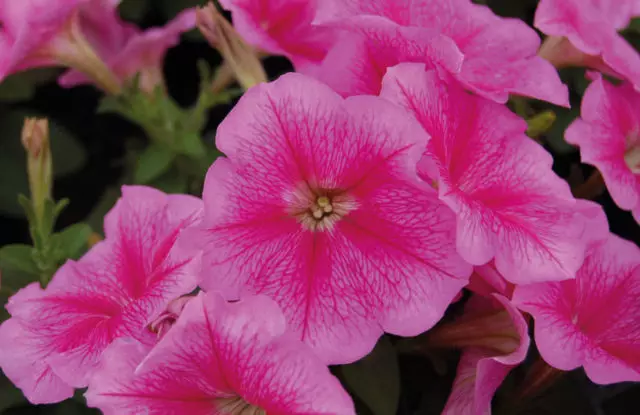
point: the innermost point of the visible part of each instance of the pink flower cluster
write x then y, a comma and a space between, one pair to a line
357, 197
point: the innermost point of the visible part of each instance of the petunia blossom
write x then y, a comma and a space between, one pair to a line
36, 33
23, 362
117, 289
585, 33
494, 339
126, 49
496, 56
594, 320
282, 27
219, 358
608, 134
510, 205
319, 206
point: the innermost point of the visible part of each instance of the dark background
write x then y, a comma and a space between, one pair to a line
101, 144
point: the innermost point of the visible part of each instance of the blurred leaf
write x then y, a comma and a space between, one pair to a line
22, 86
104, 205
555, 136
540, 123
172, 182
634, 26
73, 240
9, 395
133, 10
376, 378
192, 145
18, 257
154, 161
68, 156
170, 8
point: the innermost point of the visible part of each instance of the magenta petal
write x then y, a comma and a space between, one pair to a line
496, 179
216, 353
385, 260
118, 287
594, 320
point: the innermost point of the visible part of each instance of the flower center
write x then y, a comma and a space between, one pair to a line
319, 209
237, 406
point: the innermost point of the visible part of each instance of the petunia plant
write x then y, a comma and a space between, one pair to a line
363, 207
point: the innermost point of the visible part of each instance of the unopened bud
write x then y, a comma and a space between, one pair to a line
241, 58
35, 139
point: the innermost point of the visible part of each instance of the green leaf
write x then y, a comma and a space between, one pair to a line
376, 378
192, 145
172, 182
104, 205
154, 161
73, 240
555, 135
22, 86
18, 257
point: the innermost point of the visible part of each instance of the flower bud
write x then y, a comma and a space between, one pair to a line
35, 139
241, 58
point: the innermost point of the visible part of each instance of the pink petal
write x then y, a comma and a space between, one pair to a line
125, 48
593, 321
282, 27
218, 351
510, 205
481, 370
389, 263
500, 55
608, 128
24, 364
118, 287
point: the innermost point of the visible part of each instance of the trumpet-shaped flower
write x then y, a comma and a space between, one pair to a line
127, 50
282, 27
117, 289
594, 320
608, 134
509, 203
319, 206
496, 56
35, 33
495, 339
219, 358
585, 33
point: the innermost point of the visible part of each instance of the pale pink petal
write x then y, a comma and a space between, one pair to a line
282, 27
118, 287
24, 364
510, 205
387, 262
607, 131
500, 54
218, 352
126, 49
486, 281
594, 320
592, 28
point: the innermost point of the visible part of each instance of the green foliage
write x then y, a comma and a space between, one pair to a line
375, 379
22, 86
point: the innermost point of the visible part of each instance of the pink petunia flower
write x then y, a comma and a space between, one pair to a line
319, 207
117, 289
282, 27
36, 33
23, 361
128, 50
594, 320
585, 33
495, 339
219, 358
608, 134
509, 204
495, 56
